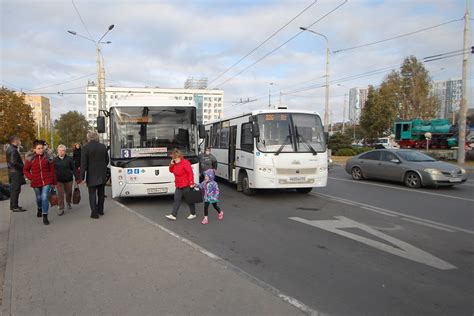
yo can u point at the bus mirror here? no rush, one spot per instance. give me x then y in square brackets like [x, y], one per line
[202, 131]
[326, 137]
[255, 130]
[101, 124]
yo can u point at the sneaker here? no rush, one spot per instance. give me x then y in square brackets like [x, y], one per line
[191, 216]
[18, 209]
[220, 216]
[69, 207]
[60, 212]
[205, 221]
[171, 217]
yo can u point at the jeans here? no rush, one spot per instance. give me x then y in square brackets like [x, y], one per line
[42, 194]
[178, 196]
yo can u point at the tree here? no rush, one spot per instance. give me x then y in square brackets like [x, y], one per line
[338, 141]
[45, 134]
[416, 101]
[72, 127]
[369, 117]
[16, 118]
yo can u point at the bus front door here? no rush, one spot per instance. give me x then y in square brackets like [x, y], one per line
[232, 146]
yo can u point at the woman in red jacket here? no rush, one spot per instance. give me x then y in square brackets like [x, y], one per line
[184, 181]
[39, 169]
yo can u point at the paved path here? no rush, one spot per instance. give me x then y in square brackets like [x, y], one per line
[120, 264]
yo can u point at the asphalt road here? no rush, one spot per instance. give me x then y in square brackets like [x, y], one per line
[368, 248]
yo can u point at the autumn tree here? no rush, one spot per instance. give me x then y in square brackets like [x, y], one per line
[72, 127]
[415, 99]
[16, 118]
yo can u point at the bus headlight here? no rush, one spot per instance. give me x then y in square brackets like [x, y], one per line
[119, 171]
[265, 169]
[121, 183]
[120, 177]
[323, 169]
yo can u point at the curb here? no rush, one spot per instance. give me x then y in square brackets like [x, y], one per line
[8, 277]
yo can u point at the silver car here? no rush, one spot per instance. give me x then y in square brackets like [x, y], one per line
[411, 167]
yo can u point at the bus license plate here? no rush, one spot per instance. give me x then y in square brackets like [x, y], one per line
[297, 179]
[157, 190]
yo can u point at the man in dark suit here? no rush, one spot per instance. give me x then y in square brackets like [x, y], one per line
[94, 161]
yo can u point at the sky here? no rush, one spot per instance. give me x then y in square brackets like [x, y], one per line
[161, 43]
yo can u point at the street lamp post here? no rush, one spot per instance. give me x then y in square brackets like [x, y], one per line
[100, 68]
[326, 106]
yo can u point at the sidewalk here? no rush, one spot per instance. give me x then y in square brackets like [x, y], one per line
[118, 265]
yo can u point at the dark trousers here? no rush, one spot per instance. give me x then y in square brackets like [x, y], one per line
[206, 208]
[178, 197]
[96, 199]
[64, 188]
[15, 179]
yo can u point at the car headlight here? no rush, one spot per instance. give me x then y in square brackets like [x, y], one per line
[463, 171]
[433, 171]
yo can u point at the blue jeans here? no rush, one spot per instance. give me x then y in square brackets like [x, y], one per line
[42, 197]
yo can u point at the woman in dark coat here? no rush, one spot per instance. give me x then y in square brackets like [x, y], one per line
[76, 156]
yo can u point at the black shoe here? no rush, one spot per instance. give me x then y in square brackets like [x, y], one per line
[39, 213]
[45, 219]
[101, 213]
[94, 215]
[18, 209]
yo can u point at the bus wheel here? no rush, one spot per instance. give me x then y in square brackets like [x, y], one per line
[246, 186]
[304, 190]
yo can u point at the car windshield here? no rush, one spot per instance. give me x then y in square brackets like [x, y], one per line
[415, 156]
[151, 132]
[290, 132]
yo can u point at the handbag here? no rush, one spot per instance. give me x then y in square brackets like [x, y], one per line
[193, 196]
[76, 195]
[53, 197]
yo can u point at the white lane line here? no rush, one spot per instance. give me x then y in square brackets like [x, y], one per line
[427, 224]
[391, 213]
[403, 189]
[290, 300]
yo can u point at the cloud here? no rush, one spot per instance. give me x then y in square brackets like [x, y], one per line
[161, 43]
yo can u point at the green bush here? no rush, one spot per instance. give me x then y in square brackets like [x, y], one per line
[345, 152]
[338, 141]
[360, 150]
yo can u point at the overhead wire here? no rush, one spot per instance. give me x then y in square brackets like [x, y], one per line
[60, 83]
[280, 46]
[80, 17]
[262, 43]
[395, 37]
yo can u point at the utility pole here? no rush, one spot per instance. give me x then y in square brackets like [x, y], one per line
[463, 109]
[344, 114]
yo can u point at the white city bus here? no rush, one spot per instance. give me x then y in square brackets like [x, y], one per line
[142, 135]
[270, 149]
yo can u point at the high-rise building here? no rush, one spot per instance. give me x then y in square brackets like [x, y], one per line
[449, 93]
[209, 103]
[41, 109]
[357, 99]
[196, 83]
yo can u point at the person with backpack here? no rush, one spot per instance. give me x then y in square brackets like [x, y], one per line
[210, 191]
[39, 169]
[65, 171]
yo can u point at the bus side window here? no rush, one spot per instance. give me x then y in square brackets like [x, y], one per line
[246, 139]
[216, 130]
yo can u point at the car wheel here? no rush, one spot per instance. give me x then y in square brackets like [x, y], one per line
[304, 190]
[246, 186]
[412, 180]
[356, 173]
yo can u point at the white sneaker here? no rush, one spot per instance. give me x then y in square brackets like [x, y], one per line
[170, 217]
[191, 216]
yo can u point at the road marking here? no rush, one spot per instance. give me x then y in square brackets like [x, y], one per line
[403, 189]
[290, 300]
[402, 248]
[393, 213]
[427, 224]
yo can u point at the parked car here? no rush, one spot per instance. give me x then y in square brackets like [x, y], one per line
[411, 167]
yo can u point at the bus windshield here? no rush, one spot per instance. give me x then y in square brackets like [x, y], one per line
[290, 132]
[151, 131]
